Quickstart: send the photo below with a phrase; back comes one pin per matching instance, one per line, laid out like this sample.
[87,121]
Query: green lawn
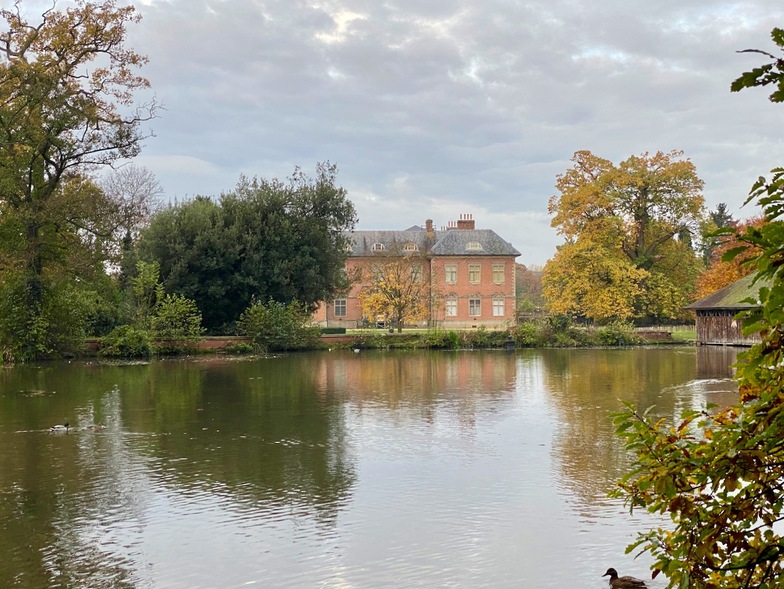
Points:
[685,335]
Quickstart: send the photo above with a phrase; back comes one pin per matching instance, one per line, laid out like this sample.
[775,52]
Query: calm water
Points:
[331,470]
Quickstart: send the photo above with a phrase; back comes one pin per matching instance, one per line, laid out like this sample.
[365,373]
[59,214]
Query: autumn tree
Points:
[724,270]
[397,291]
[66,106]
[719,472]
[628,231]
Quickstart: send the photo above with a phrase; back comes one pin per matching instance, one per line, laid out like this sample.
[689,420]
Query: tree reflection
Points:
[588,386]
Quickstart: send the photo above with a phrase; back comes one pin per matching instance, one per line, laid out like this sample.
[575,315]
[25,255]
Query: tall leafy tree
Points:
[66,105]
[719,473]
[268,239]
[628,222]
[397,289]
[713,235]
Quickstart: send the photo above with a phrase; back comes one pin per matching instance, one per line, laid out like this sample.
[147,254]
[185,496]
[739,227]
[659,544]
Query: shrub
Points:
[527,334]
[333,330]
[239,349]
[278,326]
[441,339]
[618,333]
[372,340]
[127,341]
[175,323]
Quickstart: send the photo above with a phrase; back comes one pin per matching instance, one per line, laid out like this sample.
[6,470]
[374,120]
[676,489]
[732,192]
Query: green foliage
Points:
[147,292]
[369,341]
[442,339]
[65,84]
[171,321]
[767,74]
[127,341]
[55,327]
[278,326]
[560,331]
[175,324]
[618,333]
[527,334]
[239,349]
[719,472]
[333,330]
[266,239]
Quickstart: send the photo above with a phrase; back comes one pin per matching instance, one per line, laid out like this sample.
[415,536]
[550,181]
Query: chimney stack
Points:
[429,225]
[466,221]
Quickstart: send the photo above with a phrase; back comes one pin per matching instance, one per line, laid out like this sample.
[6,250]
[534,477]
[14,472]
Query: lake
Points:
[333,470]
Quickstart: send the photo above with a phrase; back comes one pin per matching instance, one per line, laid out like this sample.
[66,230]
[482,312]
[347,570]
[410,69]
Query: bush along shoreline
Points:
[258,338]
[550,332]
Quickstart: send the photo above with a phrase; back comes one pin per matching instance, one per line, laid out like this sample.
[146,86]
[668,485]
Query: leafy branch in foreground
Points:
[719,473]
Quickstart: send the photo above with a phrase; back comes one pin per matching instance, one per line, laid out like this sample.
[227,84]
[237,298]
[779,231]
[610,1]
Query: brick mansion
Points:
[469,274]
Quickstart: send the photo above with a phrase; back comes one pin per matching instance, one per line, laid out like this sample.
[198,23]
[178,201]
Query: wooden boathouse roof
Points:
[733,297]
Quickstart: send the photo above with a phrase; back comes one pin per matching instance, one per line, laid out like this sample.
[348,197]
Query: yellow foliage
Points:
[397,291]
[589,280]
[627,228]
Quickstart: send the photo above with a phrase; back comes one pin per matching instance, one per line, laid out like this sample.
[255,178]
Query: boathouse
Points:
[716,322]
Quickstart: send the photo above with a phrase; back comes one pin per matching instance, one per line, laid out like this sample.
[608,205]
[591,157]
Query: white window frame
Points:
[450,307]
[499,307]
[475,307]
[499,273]
[475,273]
[341,308]
[450,273]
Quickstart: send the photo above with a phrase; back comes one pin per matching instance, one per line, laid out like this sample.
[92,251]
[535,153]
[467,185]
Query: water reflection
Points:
[379,469]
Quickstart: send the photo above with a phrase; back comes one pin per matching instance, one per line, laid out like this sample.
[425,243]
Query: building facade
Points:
[468,273]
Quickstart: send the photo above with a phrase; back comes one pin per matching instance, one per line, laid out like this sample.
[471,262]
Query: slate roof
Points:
[393,241]
[731,297]
[455,242]
[452,242]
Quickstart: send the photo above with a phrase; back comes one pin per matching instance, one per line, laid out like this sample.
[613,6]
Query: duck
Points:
[626,582]
[60,429]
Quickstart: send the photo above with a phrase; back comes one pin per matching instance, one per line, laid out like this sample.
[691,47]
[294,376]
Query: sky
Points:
[435,108]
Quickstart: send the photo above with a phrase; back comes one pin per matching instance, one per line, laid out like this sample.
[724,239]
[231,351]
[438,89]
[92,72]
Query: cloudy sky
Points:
[436,108]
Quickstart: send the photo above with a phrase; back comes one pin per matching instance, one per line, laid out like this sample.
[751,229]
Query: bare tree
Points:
[135,195]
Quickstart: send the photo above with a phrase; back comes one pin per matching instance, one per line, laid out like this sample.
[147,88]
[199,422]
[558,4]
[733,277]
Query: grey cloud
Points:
[478,104]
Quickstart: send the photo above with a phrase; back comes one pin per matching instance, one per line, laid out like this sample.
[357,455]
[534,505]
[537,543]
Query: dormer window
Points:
[410,247]
[377,247]
[474,246]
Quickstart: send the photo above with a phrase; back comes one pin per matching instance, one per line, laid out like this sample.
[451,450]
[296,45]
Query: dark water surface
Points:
[331,470]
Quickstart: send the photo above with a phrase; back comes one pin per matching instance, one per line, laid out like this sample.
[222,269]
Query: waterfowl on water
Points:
[60,428]
[617,582]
